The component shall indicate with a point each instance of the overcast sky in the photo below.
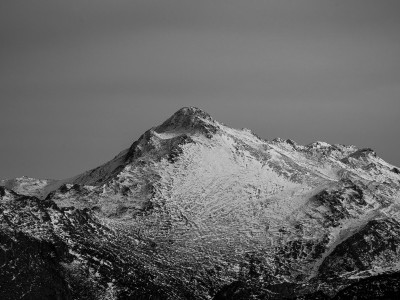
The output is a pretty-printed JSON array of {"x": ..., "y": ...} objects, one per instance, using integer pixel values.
[{"x": 80, "y": 80}]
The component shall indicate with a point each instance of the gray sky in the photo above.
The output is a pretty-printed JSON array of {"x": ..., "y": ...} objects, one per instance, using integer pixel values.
[{"x": 80, "y": 80}]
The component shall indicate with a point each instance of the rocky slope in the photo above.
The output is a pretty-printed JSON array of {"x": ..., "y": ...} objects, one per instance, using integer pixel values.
[
  {"x": 197, "y": 210},
  {"x": 30, "y": 186}
]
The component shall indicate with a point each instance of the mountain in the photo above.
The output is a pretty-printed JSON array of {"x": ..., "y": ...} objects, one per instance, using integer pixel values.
[
  {"x": 197, "y": 210},
  {"x": 30, "y": 186}
]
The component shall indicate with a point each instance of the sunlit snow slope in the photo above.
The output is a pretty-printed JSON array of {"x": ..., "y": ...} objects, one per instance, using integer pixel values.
[{"x": 206, "y": 206}]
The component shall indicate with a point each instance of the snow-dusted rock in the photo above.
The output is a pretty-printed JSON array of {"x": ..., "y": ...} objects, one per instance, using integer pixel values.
[{"x": 196, "y": 204}]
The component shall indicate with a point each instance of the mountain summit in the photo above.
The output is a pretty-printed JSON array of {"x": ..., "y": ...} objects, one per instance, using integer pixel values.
[
  {"x": 159, "y": 142},
  {"x": 190, "y": 119},
  {"x": 195, "y": 209}
]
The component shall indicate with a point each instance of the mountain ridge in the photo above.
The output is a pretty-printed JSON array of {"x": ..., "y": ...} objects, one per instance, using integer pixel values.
[{"x": 220, "y": 211}]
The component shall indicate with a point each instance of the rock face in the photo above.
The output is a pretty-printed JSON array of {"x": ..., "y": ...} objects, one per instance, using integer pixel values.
[{"x": 197, "y": 210}]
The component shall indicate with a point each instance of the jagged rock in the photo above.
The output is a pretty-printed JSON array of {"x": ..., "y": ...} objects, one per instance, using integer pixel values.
[
  {"x": 395, "y": 170},
  {"x": 192, "y": 119},
  {"x": 376, "y": 245},
  {"x": 197, "y": 210}
]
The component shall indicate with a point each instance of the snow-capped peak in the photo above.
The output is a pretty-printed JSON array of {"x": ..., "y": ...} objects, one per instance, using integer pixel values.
[
  {"x": 190, "y": 119},
  {"x": 201, "y": 205}
]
